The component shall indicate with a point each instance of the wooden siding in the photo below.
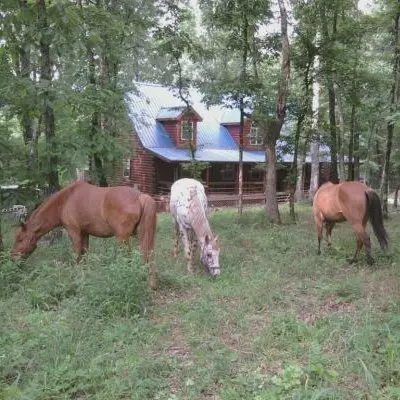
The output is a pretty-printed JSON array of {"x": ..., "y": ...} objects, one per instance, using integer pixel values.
[
  {"x": 234, "y": 130},
  {"x": 174, "y": 130},
  {"x": 142, "y": 168}
]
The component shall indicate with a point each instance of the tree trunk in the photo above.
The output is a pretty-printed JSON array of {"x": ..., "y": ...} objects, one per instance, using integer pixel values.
[
  {"x": 24, "y": 70},
  {"x": 299, "y": 195},
  {"x": 294, "y": 172},
  {"x": 329, "y": 43},
  {"x": 24, "y": 57},
  {"x": 356, "y": 149},
  {"x": 274, "y": 127},
  {"x": 271, "y": 202},
  {"x": 350, "y": 171},
  {"x": 1, "y": 234},
  {"x": 48, "y": 98},
  {"x": 243, "y": 77},
  {"x": 332, "y": 129},
  {"x": 33, "y": 146},
  {"x": 95, "y": 163},
  {"x": 367, "y": 168},
  {"x": 240, "y": 177},
  {"x": 390, "y": 124},
  {"x": 340, "y": 142},
  {"x": 314, "y": 147},
  {"x": 1, "y": 239},
  {"x": 396, "y": 197}
]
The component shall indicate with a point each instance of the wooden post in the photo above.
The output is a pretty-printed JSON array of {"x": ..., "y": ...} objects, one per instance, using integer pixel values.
[
  {"x": 207, "y": 179},
  {"x": 236, "y": 179}
]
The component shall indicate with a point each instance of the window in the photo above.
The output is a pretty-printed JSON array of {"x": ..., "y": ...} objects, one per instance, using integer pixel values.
[
  {"x": 255, "y": 138},
  {"x": 228, "y": 172},
  {"x": 127, "y": 168},
  {"x": 187, "y": 130}
]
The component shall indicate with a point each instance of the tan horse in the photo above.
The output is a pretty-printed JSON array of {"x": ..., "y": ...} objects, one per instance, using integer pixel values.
[
  {"x": 354, "y": 202},
  {"x": 83, "y": 210}
]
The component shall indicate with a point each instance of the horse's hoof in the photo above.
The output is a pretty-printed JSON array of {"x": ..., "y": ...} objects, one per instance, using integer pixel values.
[
  {"x": 153, "y": 284},
  {"x": 370, "y": 261}
]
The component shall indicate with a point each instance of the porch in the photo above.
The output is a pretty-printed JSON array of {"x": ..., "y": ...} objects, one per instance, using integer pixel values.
[
  {"x": 221, "y": 183},
  {"x": 218, "y": 179}
]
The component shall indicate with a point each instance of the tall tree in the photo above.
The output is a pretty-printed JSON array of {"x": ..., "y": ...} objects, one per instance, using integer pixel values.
[
  {"x": 394, "y": 94},
  {"x": 273, "y": 126},
  {"x": 47, "y": 97},
  {"x": 329, "y": 19},
  {"x": 234, "y": 25},
  {"x": 314, "y": 147}
]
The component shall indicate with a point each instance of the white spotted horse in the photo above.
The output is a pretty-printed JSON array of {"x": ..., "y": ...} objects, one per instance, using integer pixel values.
[{"x": 188, "y": 205}]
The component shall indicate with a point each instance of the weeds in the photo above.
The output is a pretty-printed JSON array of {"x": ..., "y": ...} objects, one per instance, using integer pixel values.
[{"x": 280, "y": 322}]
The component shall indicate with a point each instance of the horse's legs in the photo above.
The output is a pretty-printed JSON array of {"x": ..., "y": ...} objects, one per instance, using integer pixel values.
[
  {"x": 318, "y": 225},
  {"x": 329, "y": 228},
  {"x": 77, "y": 242},
  {"x": 85, "y": 243},
  {"x": 362, "y": 239},
  {"x": 177, "y": 239},
  {"x": 187, "y": 244},
  {"x": 125, "y": 240},
  {"x": 193, "y": 246}
]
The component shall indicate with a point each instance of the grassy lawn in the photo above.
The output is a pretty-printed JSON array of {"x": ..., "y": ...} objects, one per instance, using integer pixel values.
[{"x": 280, "y": 322}]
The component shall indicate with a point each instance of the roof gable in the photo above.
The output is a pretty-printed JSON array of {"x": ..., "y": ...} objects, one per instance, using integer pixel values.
[{"x": 177, "y": 113}]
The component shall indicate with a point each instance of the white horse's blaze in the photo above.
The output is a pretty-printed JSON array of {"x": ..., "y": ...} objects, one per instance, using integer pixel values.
[{"x": 188, "y": 205}]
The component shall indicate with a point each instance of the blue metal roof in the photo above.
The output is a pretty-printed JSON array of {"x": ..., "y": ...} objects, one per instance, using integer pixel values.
[
  {"x": 209, "y": 155},
  {"x": 170, "y": 112},
  {"x": 231, "y": 116},
  {"x": 214, "y": 142}
]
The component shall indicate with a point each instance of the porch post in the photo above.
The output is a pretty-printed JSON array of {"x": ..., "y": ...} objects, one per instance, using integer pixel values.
[
  {"x": 176, "y": 172},
  {"x": 237, "y": 179},
  {"x": 207, "y": 179}
]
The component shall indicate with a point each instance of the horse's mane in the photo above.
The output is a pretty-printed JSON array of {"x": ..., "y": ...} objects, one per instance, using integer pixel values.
[
  {"x": 36, "y": 206},
  {"x": 199, "y": 217},
  {"x": 57, "y": 197}
]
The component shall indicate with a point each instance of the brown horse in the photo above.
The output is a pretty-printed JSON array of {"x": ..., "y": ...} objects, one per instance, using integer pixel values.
[
  {"x": 354, "y": 202},
  {"x": 83, "y": 210}
]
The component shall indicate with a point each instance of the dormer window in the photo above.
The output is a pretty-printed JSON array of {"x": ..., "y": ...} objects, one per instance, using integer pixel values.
[
  {"x": 126, "y": 168},
  {"x": 255, "y": 137},
  {"x": 187, "y": 130}
]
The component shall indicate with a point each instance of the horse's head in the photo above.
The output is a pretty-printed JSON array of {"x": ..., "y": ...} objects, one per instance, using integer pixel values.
[
  {"x": 24, "y": 244},
  {"x": 209, "y": 255}
]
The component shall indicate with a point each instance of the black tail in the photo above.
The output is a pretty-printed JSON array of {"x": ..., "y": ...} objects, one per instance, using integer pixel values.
[{"x": 376, "y": 218}]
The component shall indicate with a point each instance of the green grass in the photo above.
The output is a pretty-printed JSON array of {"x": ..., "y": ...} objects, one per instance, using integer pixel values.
[{"x": 280, "y": 322}]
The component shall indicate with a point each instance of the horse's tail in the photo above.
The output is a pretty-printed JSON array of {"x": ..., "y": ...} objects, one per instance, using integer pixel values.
[
  {"x": 376, "y": 218},
  {"x": 147, "y": 226}
]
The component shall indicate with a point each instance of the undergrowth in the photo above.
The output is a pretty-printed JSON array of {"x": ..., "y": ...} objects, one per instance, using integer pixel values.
[{"x": 280, "y": 322}]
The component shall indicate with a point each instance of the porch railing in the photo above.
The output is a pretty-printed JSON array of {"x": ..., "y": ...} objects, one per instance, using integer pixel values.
[{"x": 164, "y": 187}]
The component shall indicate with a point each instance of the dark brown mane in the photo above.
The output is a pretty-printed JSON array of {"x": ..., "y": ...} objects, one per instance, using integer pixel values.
[{"x": 55, "y": 197}]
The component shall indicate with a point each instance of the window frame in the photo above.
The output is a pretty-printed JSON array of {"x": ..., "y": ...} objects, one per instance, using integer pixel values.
[
  {"x": 127, "y": 164},
  {"x": 255, "y": 139},
  {"x": 183, "y": 122}
]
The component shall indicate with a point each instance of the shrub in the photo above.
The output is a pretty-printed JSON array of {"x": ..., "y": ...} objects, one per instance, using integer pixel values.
[{"x": 115, "y": 286}]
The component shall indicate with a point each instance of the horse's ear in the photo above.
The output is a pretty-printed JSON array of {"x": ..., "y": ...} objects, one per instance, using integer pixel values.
[{"x": 216, "y": 238}]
